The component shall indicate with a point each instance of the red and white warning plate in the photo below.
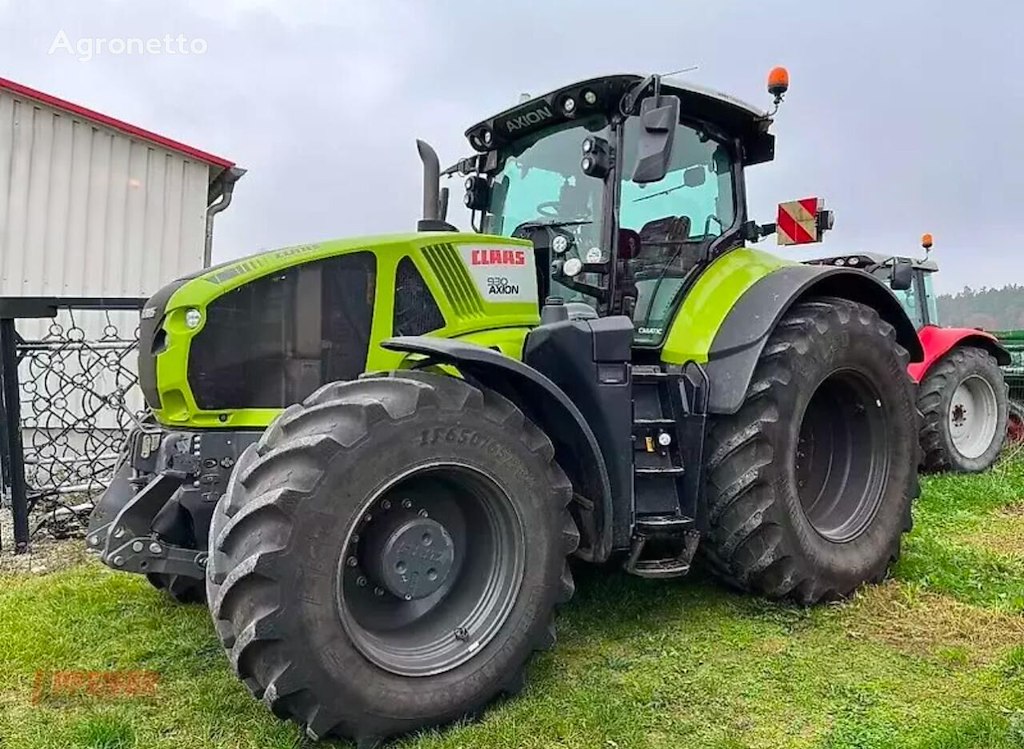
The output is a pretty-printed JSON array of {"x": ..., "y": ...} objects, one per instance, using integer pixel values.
[{"x": 797, "y": 222}]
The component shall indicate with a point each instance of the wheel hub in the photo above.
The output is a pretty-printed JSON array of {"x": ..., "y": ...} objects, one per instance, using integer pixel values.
[
  {"x": 416, "y": 558},
  {"x": 431, "y": 569},
  {"x": 959, "y": 414},
  {"x": 841, "y": 456},
  {"x": 973, "y": 416}
]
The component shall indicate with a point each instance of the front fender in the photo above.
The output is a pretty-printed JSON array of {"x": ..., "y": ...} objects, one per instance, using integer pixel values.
[
  {"x": 937, "y": 342},
  {"x": 742, "y": 335},
  {"x": 576, "y": 448}
]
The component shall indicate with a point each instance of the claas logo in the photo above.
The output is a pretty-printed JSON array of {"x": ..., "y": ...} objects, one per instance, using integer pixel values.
[{"x": 498, "y": 257}]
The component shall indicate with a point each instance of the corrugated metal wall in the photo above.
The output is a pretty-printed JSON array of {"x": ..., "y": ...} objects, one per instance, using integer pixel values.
[
  {"x": 86, "y": 210},
  {"x": 89, "y": 211}
]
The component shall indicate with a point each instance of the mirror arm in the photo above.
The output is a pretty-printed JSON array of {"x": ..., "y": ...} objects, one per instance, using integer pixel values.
[{"x": 754, "y": 232}]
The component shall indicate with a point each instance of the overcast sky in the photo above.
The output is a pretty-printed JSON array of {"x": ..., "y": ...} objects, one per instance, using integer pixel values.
[{"x": 906, "y": 116}]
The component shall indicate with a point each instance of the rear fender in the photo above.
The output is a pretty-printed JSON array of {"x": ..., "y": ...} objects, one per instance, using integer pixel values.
[
  {"x": 545, "y": 404},
  {"x": 740, "y": 339},
  {"x": 937, "y": 342}
]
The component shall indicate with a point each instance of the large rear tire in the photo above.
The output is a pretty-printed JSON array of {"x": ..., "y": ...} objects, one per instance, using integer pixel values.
[
  {"x": 389, "y": 555},
  {"x": 810, "y": 483},
  {"x": 966, "y": 407}
]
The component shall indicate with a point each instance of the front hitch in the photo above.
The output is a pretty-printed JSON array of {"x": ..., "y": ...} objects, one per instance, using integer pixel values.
[{"x": 121, "y": 524}]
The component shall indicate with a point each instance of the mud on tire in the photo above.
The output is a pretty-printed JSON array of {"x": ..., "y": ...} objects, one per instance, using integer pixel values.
[
  {"x": 281, "y": 587},
  {"x": 830, "y": 390}
]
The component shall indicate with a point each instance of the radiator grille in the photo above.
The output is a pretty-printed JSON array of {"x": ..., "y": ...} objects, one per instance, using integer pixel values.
[{"x": 447, "y": 266}]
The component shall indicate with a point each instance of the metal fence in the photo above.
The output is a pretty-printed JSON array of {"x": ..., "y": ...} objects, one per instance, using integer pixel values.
[
  {"x": 70, "y": 394},
  {"x": 1013, "y": 341}
]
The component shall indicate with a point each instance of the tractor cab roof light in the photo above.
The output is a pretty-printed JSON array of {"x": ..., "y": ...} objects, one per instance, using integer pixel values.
[{"x": 778, "y": 85}]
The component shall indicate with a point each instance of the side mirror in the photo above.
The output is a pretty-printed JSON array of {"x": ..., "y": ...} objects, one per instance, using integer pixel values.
[
  {"x": 659, "y": 116},
  {"x": 901, "y": 277}
]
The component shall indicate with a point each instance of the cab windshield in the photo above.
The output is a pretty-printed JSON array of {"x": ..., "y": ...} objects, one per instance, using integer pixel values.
[
  {"x": 665, "y": 226},
  {"x": 541, "y": 181}
]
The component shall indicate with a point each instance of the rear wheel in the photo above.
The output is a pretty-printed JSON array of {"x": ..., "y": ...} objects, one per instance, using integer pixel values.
[
  {"x": 389, "y": 554},
  {"x": 810, "y": 484},
  {"x": 965, "y": 406}
]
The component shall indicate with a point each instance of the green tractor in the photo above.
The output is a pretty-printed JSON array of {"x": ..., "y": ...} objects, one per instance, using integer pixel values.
[{"x": 377, "y": 456}]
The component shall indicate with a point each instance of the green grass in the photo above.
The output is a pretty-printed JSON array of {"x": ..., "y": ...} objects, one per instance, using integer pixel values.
[{"x": 933, "y": 659}]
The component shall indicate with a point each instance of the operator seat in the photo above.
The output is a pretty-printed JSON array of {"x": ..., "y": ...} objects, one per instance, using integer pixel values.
[{"x": 662, "y": 238}]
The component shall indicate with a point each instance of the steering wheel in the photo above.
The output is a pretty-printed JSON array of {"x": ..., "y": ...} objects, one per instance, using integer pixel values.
[{"x": 548, "y": 209}]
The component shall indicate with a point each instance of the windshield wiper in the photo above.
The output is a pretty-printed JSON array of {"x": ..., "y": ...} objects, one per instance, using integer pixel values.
[
  {"x": 557, "y": 222},
  {"x": 663, "y": 192}
]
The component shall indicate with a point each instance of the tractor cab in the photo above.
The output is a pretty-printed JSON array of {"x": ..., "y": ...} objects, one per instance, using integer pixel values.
[{"x": 626, "y": 185}]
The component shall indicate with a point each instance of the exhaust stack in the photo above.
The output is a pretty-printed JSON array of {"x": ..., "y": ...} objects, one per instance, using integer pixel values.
[{"x": 431, "y": 191}]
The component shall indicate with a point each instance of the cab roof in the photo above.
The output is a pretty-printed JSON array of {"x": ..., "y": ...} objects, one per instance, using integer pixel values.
[
  {"x": 734, "y": 117},
  {"x": 870, "y": 259}
]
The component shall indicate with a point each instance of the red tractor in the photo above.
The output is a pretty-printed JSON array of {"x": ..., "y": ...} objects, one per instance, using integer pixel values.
[{"x": 962, "y": 394}]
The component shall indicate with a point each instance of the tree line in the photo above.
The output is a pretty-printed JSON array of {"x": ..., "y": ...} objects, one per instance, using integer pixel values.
[{"x": 991, "y": 309}]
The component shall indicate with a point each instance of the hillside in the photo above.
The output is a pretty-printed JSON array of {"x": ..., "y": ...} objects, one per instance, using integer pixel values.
[{"x": 992, "y": 309}]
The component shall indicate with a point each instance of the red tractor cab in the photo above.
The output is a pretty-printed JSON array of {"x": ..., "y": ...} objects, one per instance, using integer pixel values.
[{"x": 962, "y": 394}]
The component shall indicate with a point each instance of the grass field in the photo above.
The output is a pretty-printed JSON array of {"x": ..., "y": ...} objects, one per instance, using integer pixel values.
[{"x": 933, "y": 658}]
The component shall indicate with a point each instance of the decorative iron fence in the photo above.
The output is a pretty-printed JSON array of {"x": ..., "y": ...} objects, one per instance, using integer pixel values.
[{"x": 70, "y": 395}]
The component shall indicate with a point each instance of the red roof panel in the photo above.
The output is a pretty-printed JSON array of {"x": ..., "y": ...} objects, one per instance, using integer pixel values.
[{"x": 116, "y": 124}]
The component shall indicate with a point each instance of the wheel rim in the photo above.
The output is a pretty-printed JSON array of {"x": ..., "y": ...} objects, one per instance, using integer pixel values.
[
  {"x": 431, "y": 569},
  {"x": 842, "y": 456},
  {"x": 973, "y": 416}
]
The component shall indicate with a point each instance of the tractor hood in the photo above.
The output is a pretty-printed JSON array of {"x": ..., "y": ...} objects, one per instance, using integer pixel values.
[{"x": 233, "y": 344}]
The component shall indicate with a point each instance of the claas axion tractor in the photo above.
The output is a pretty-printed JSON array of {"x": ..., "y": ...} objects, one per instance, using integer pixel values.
[{"x": 378, "y": 455}]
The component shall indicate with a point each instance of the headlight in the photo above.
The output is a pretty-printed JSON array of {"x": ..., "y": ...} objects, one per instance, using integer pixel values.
[
  {"x": 559, "y": 244},
  {"x": 572, "y": 267},
  {"x": 193, "y": 318}
]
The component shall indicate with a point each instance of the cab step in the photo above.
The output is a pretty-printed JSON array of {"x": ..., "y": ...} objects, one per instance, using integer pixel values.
[
  {"x": 676, "y": 539},
  {"x": 660, "y": 471},
  {"x": 661, "y": 422}
]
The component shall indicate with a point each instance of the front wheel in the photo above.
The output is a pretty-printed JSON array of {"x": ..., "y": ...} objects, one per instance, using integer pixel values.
[
  {"x": 965, "y": 406},
  {"x": 389, "y": 554},
  {"x": 810, "y": 483}
]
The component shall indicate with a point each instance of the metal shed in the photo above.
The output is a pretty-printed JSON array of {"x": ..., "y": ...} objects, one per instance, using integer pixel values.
[{"x": 93, "y": 206}]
